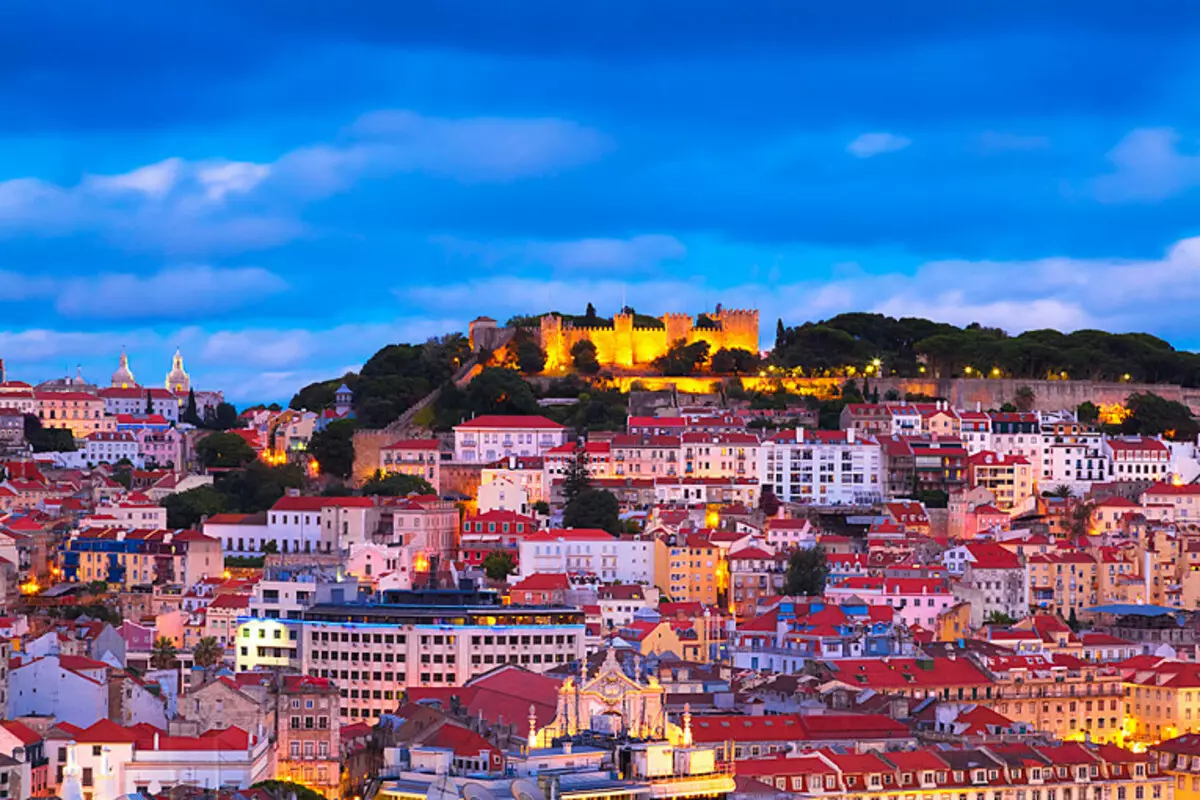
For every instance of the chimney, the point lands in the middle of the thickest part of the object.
(849, 435)
(3, 379)
(156, 740)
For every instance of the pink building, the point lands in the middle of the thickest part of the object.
(918, 601)
(160, 448)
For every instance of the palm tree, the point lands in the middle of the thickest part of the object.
(208, 652)
(1062, 490)
(164, 653)
(1081, 519)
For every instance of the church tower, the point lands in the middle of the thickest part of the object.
(177, 379)
(123, 377)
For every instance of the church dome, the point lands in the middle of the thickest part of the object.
(123, 377)
(177, 379)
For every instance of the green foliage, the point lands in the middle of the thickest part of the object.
(208, 651)
(285, 790)
(495, 390)
(1087, 412)
(123, 475)
(223, 417)
(1008, 408)
(163, 654)
(541, 507)
(396, 485)
(393, 379)
(498, 565)
(244, 562)
(531, 359)
(576, 478)
(597, 410)
(270, 548)
(999, 618)
(932, 498)
(851, 393)
(224, 450)
(1024, 398)
(1073, 621)
(333, 448)
(682, 358)
(337, 490)
(855, 339)
(97, 611)
(47, 440)
(190, 414)
(735, 361)
(185, 509)
(806, 573)
(258, 486)
(583, 355)
(1153, 415)
(593, 508)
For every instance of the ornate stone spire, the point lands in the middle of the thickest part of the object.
(178, 380)
(123, 377)
(72, 783)
(687, 724)
(532, 727)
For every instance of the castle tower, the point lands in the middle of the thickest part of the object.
(343, 400)
(178, 380)
(739, 328)
(550, 335)
(123, 377)
(623, 339)
(481, 331)
(679, 326)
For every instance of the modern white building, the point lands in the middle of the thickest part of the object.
(109, 447)
(585, 551)
(132, 400)
(492, 437)
(822, 467)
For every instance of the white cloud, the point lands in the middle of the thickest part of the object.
(874, 144)
(187, 207)
(1148, 165)
(172, 293)
(637, 252)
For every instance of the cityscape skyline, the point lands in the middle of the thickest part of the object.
(333, 185)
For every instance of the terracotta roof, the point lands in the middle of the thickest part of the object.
(510, 421)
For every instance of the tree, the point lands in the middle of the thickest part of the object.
(1008, 408)
(208, 651)
(593, 508)
(583, 356)
(270, 547)
(47, 440)
(735, 361)
(590, 313)
(768, 503)
(531, 359)
(163, 654)
(1087, 412)
(682, 358)
(224, 450)
(498, 565)
(1061, 490)
(1024, 398)
(187, 509)
(500, 391)
(149, 403)
(1080, 522)
(806, 573)
(780, 334)
(851, 392)
(1152, 415)
(999, 618)
(190, 415)
(284, 790)
(577, 477)
(123, 475)
(1073, 621)
(333, 448)
(225, 417)
(541, 507)
(396, 484)
(891, 395)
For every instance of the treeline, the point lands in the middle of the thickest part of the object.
(904, 345)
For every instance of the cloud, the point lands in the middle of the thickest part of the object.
(175, 292)
(213, 205)
(637, 252)
(874, 144)
(1148, 166)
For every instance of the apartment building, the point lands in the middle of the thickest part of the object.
(822, 467)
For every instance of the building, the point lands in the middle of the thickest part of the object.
(136, 401)
(624, 343)
(178, 382)
(375, 652)
(755, 574)
(1011, 479)
(918, 601)
(490, 438)
(78, 412)
(691, 568)
(110, 447)
(417, 457)
(502, 494)
(1064, 581)
(540, 589)
(993, 582)
(822, 467)
(582, 551)
(308, 750)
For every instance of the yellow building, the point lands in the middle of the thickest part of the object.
(1061, 695)
(1179, 758)
(1010, 478)
(690, 568)
(1162, 701)
(1063, 581)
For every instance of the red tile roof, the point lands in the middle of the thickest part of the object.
(510, 421)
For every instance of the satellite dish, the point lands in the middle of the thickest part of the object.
(526, 790)
(474, 791)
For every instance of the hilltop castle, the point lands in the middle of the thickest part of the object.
(622, 344)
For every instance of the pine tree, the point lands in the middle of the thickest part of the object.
(149, 404)
(591, 311)
(190, 415)
(577, 478)
(780, 333)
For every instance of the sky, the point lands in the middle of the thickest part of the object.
(281, 188)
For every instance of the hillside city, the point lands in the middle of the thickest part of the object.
(627, 557)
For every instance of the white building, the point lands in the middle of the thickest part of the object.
(585, 551)
(132, 400)
(105, 447)
(822, 467)
(502, 495)
(492, 437)
(1138, 458)
(376, 652)
(418, 457)
(71, 689)
(298, 525)
(128, 513)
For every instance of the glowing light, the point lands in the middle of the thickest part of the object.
(921, 370)
(1113, 413)
(995, 372)
(967, 370)
(870, 368)
(227, 574)
(30, 587)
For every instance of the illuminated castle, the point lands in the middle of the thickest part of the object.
(623, 344)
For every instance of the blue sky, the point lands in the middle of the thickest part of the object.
(282, 189)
